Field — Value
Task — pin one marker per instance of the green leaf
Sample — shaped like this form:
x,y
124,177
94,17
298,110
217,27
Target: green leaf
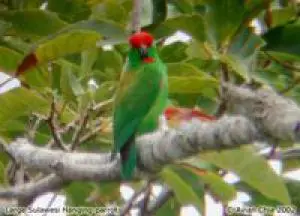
x,y
9,60
190,24
110,63
192,84
73,39
33,22
184,69
253,169
88,59
224,18
111,10
70,11
284,39
242,51
21,102
65,44
184,191
174,52
68,82
159,8
171,207
217,186
2,174
294,188
283,15
257,198
112,32
78,192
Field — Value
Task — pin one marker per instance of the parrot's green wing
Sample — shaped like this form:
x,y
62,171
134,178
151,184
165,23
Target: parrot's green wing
x,y
136,95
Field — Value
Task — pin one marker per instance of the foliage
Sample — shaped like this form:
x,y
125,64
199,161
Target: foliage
x,y
58,50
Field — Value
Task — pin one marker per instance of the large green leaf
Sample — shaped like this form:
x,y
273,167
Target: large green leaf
x,y
284,39
21,102
283,15
182,187
184,6
217,186
73,39
223,18
159,11
2,174
78,192
70,11
112,32
241,53
60,46
257,198
65,44
174,52
9,60
33,22
110,63
190,24
253,169
192,84
171,207
69,84
184,69
111,10
294,188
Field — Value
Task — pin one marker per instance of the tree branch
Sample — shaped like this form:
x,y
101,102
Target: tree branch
x,y
163,197
52,122
79,129
275,116
155,151
27,192
136,16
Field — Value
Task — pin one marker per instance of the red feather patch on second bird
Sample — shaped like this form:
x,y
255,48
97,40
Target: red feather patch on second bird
x,y
187,114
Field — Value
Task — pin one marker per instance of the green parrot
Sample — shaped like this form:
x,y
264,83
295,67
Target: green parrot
x,y
140,99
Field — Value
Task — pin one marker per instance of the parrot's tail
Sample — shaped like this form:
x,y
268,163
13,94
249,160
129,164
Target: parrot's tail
x,y
129,159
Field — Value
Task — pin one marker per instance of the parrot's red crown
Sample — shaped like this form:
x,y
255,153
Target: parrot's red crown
x,y
140,39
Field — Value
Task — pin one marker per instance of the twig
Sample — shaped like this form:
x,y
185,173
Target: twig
x,y
145,203
291,86
136,16
124,211
33,128
224,79
53,198
160,201
284,64
4,147
79,130
90,134
6,81
53,127
102,104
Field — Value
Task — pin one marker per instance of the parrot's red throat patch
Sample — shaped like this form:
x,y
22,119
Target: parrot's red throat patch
x,y
139,39
148,60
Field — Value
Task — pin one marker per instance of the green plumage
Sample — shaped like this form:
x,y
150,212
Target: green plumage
x,y
140,100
